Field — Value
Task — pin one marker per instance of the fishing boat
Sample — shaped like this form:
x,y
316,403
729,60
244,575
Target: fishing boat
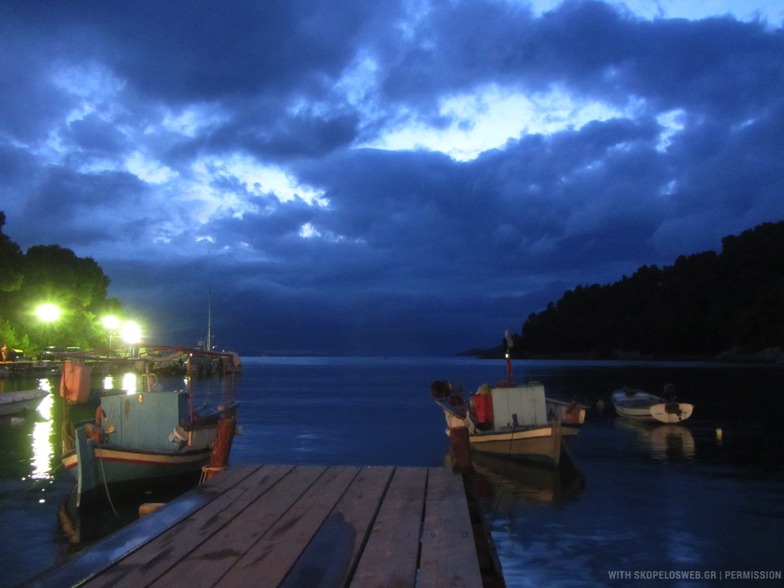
x,y
229,361
17,402
145,436
643,407
508,421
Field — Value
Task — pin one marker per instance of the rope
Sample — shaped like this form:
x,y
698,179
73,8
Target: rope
x,y
207,469
106,486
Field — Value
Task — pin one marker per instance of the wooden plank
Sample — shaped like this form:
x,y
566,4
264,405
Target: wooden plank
x,y
448,551
270,559
158,556
207,564
333,554
390,556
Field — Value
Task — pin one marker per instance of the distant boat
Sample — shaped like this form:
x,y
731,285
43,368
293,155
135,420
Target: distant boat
x,y
643,407
16,402
148,436
228,362
509,421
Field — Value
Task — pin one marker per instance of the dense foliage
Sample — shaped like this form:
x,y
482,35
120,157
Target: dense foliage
x,y
54,275
703,305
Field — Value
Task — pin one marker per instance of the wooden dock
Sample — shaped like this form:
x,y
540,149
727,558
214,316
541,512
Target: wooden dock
x,y
292,526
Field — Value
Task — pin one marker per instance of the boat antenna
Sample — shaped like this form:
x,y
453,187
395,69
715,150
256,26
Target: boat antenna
x,y
507,354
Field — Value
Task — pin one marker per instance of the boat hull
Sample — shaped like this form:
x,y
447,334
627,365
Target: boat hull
x,y
541,445
97,466
17,402
519,424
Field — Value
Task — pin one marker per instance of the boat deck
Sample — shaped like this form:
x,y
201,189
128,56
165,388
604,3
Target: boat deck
x,y
284,525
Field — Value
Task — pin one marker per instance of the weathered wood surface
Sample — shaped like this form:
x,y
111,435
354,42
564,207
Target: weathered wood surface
x,y
304,526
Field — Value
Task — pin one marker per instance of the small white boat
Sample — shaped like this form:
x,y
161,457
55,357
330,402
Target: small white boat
x,y
16,402
643,407
511,421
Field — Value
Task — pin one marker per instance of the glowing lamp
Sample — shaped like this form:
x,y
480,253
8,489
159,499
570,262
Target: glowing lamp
x,y
131,332
111,323
48,312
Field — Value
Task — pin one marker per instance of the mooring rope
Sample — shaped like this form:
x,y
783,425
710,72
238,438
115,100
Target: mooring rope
x,y
207,469
106,485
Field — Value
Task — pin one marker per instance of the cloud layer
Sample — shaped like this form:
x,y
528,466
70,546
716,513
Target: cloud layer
x,y
393,177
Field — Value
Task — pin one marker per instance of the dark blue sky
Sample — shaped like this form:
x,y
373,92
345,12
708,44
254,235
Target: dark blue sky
x,y
354,177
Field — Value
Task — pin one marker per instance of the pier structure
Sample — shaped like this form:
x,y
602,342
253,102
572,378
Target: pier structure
x,y
299,525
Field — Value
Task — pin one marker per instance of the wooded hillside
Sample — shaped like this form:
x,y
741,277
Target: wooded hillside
x,y
703,305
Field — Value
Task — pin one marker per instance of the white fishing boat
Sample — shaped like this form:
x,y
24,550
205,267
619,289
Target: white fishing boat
x,y
643,407
17,402
146,436
509,421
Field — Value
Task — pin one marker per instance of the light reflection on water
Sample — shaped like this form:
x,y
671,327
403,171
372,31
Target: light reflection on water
x,y
43,441
662,442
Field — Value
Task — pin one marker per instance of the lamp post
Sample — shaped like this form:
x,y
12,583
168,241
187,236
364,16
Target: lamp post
x,y
48,313
131,333
111,324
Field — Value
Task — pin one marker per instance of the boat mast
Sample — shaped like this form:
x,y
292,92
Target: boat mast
x,y
209,320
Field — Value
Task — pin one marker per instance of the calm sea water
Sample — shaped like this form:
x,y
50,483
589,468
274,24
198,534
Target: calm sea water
x,y
641,506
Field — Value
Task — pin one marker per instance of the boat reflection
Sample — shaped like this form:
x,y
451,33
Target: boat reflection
x,y
505,485
662,442
80,527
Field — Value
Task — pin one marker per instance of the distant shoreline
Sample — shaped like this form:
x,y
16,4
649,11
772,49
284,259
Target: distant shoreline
x,y
770,356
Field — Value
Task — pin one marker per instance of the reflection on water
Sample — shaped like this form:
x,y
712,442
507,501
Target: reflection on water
x,y
662,442
84,527
504,484
128,382
43,449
